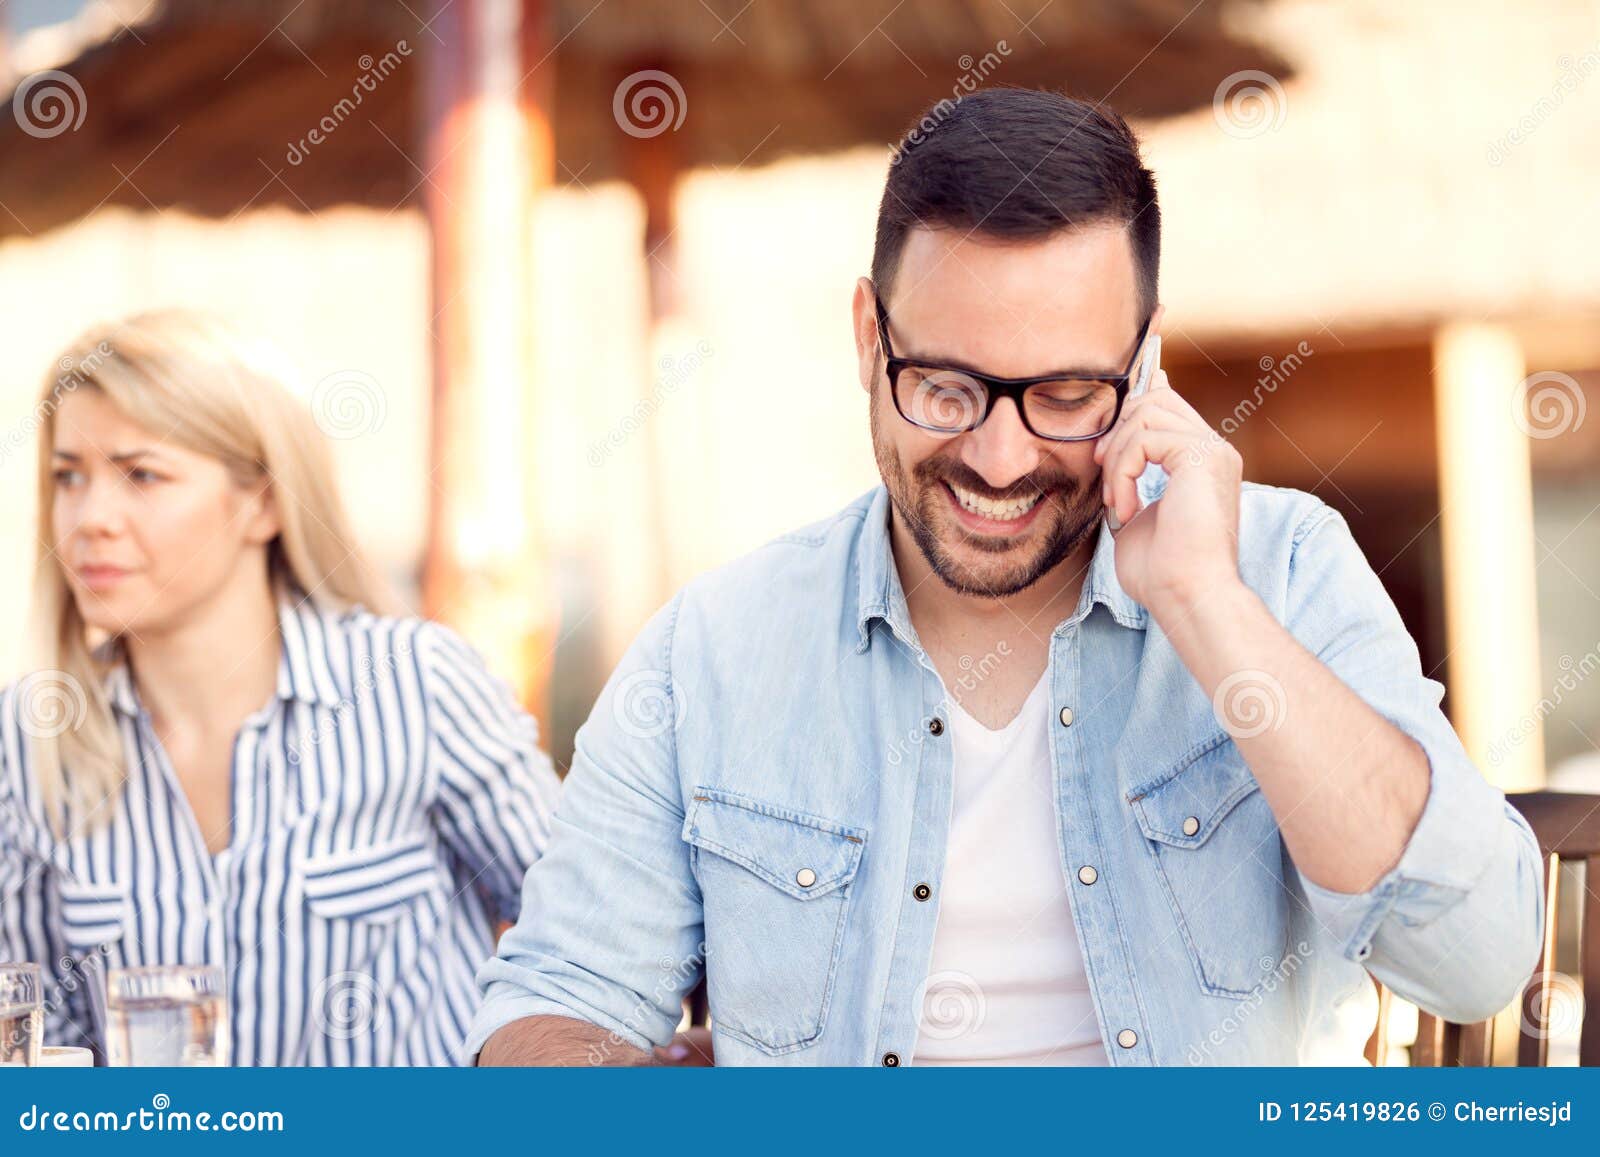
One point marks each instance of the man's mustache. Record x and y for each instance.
(957, 473)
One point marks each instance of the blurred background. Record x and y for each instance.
(568, 281)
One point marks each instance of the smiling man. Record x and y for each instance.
(960, 775)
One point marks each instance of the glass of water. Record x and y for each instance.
(21, 1014)
(166, 1014)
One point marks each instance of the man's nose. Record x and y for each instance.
(1002, 450)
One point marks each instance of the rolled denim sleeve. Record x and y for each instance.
(610, 927)
(1455, 925)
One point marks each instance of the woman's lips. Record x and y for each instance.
(100, 578)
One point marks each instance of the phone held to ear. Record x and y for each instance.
(1147, 370)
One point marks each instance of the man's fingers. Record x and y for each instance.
(1125, 462)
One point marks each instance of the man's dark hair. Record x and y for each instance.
(1019, 164)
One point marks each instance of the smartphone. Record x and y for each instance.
(1141, 383)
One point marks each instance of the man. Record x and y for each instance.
(960, 775)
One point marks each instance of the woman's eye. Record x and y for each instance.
(142, 476)
(66, 477)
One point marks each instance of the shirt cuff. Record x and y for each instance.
(1461, 824)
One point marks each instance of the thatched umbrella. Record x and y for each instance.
(244, 81)
(468, 108)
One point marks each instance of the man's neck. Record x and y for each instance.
(942, 614)
(989, 652)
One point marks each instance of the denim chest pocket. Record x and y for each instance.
(1219, 859)
(775, 889)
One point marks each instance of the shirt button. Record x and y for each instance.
(1127, 1038)
(805, 877)
(1191, 825)
(1087, 874)
(922, 891)
(1066, 717)
(891, 1060)
(936, 726)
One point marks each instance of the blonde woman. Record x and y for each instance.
(229, 752)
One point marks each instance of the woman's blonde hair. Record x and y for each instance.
(188, 376)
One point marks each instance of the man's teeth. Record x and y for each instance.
(1006, 511)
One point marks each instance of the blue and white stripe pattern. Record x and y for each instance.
(386, 804)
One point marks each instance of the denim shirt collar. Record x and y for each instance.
(307, 670)
(879, 594)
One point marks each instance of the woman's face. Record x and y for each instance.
(144, 529)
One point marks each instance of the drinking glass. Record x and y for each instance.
(21, 1014)
(166, 1014)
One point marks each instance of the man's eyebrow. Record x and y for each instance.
(967, 367)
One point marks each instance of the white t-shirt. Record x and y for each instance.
(1007, 984)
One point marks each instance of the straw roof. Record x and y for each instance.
(201, 103)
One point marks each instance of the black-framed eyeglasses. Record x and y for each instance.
(1065, 406)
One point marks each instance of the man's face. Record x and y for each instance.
(995, 509)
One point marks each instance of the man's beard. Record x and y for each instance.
(1073, 512)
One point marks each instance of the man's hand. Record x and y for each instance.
(562, 1041)
(1346, 785)
(558, 1041)
(1189, 540)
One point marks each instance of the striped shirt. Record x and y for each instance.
(386, 804)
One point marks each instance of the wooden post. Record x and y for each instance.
(489, 151)
(1486, 501)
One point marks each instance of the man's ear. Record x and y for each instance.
(1155, 318)
(864, 315)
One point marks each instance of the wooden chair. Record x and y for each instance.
(1567, 825)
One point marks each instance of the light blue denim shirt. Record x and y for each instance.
(766, 780)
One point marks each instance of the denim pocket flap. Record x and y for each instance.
(1183, 805)
(803, 855)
